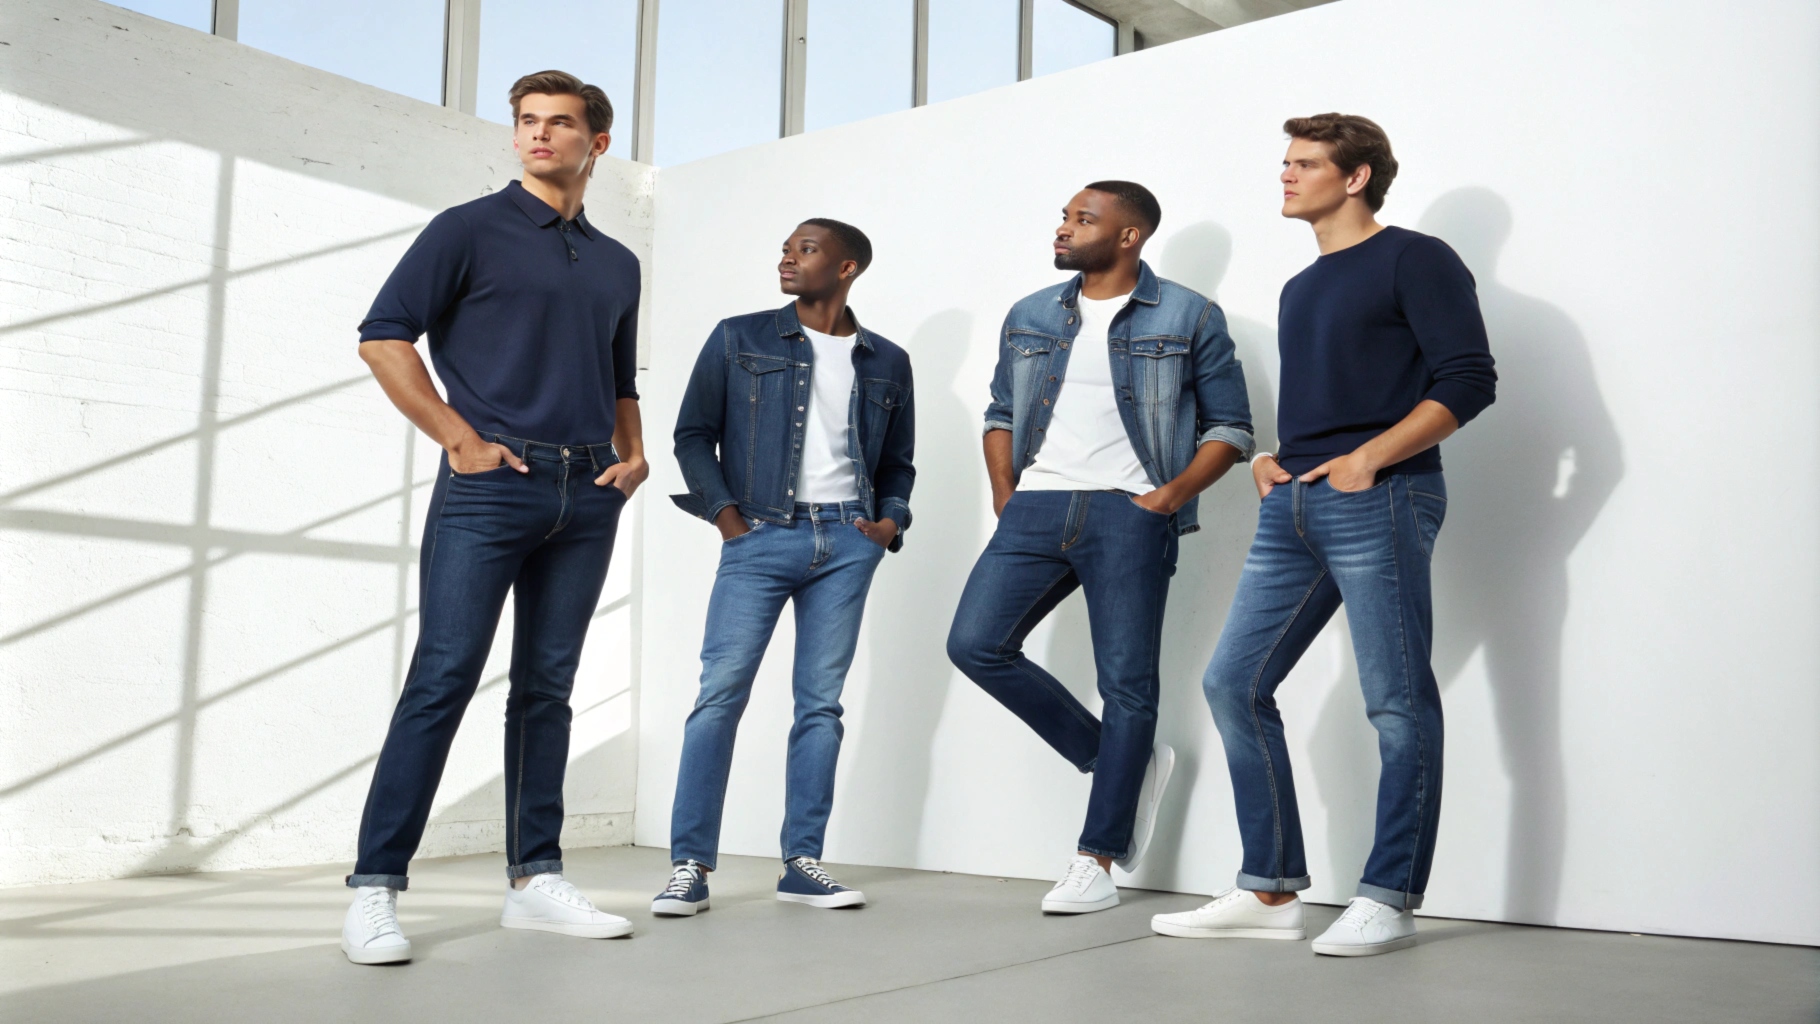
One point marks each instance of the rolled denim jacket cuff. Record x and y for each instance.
(714, 509)
(992, 425)
(898, 511)
(1235, 437)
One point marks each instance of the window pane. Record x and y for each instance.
(862, 60)
(972, 46)
(196, 14)
(1065, 36)
(720, 66)
(394, 44)
(594, 40)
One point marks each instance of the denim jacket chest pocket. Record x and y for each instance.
(1159, 368)
(1029, 363)
(883, 398)
(767, 389)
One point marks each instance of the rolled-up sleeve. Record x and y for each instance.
(700, 423)
(1222, 408)
(999, 409)
(896, 472)
(431, 275)
(1441, 301)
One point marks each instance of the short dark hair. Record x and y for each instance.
(1355, 140)
(852, 240)
(1137, 200)
(561, 83)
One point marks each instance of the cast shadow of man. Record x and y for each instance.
(1526, 481)
(1207, 566)
(912, 605)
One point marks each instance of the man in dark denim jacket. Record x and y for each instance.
(795, 437)
(1093, 483)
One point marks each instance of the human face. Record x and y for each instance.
(1314, 187)
(813, 264)
(1093, 231)
(552, 137)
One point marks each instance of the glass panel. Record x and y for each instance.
(972, 46)
(720, 67)
(594, 40)
(862, 60)
(394, 44)
(1065, 36)
(196, 14)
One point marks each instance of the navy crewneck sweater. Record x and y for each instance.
(1367, 333)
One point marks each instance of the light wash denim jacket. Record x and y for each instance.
(739, 433)
(1178, 382)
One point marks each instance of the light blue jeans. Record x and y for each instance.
(824, 565)
(1316, 549)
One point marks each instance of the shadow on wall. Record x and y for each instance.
(912, 603)
(1526, 480)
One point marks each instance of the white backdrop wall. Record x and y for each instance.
(1627, 581)
(209, 513)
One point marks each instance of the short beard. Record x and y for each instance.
(1091, 259)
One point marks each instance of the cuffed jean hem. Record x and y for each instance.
(1258, 883)
(1391, 897)
(399, 882)
(536, 867)
(1114, 854)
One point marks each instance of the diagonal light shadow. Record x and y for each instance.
(213, 280)
(198, 536)
(81, 150)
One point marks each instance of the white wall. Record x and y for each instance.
(1627, 581)
(208, 512)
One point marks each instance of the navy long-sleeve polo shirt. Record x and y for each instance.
(1365, 335)
(533, 320)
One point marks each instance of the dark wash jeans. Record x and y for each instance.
(1121, 556)
(1315, 549)
(545, 536)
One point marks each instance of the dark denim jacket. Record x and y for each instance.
(1178, 382)
(745, 399)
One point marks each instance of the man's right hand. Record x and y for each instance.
(1267, 475)
(731, 524)
(477, 456)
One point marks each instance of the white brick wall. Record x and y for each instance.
(208, 512)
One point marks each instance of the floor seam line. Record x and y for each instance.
(939, 981)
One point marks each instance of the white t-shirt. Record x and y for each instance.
(826, 472)
(1085, 447)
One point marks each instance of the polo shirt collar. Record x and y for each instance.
(541, 213)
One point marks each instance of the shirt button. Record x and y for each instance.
(1052, 378)
(800, 408)
(565, 451)
(1045, 401)
(790, 492)
(799, 423)
(1064, 344)
(1071, 319)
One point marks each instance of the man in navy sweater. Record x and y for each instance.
(1383, 356)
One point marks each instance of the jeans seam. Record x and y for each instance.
(1270, 772)
(1409, 699)
(518, 791)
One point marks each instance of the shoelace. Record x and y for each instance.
(562, 889)
(813, 870)
(1081, 872)
(1221, 900)
(1359, 911)
(380, 911)
(681, 881)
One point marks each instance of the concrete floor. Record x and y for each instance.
(261, 946)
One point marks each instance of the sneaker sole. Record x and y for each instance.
(1183, 931)
(1060, 907)
(1163, 772)
(1373, 949)
(839, 899)
(577, 931)
(677, 908)
(389, 955)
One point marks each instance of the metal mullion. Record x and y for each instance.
(461, 55)
(1026, 39)
(224, 20)
(919, 75)
(644, 85)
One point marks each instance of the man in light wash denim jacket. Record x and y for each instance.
(795, 437)
(1096, 462)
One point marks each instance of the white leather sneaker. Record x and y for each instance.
(548, 903)
(1156, 779)
(369, 932)
(1368, 928)
(1084, 889)
(1235, 914)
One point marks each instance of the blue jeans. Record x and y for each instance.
(823, 564)
(1315, 549)
(546, 536)
(1121, 555)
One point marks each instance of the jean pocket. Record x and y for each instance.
(1148, 511)
(756, 525)
(1429, 512)
(503, 466)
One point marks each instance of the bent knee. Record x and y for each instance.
(1229, 696)
(970, 650)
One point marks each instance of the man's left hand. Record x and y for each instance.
(625, 475)
(1347, 474)
(1161, 501)
(881, 533)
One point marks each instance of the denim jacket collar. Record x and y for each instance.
(789, 324)
(1148, 290)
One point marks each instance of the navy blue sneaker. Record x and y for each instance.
(686, 895)
(805, 881)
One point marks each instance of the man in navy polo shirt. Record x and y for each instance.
(532, 317)
(1384, 356)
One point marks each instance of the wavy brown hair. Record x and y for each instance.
(1355, 141)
